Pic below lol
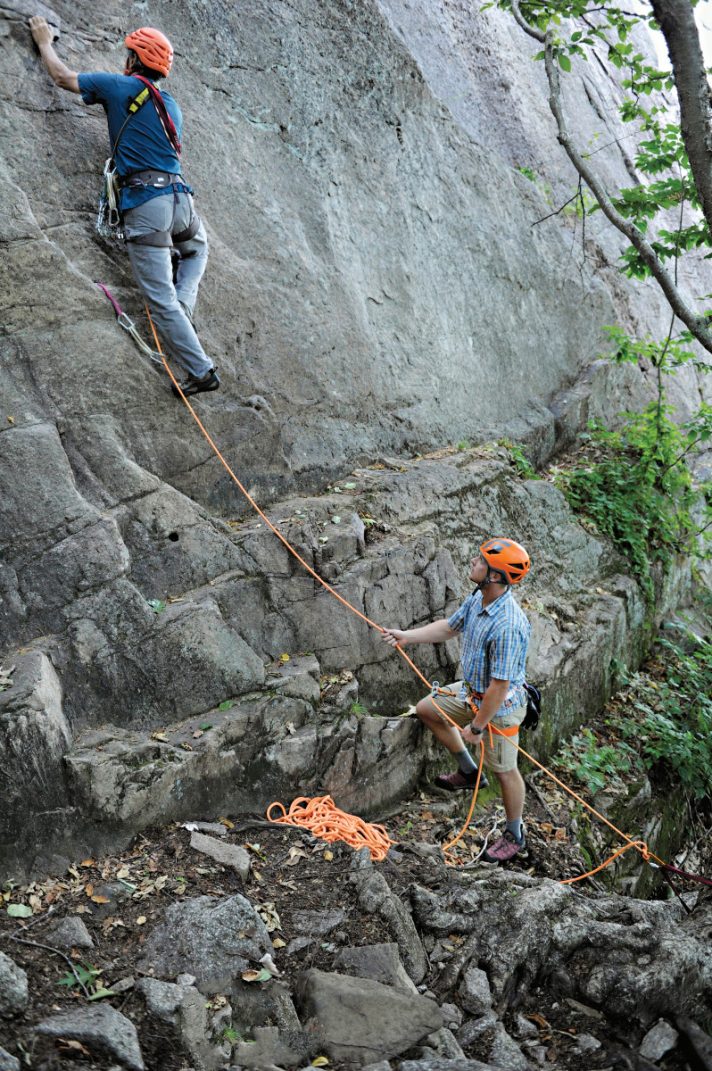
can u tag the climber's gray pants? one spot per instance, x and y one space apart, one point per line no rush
171 305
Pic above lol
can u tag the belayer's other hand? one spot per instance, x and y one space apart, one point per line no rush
393 636
42 32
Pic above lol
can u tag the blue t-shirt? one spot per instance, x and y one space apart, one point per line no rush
143 143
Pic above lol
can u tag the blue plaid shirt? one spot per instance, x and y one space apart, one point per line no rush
495 639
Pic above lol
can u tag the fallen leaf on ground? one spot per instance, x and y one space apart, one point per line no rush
262 975
19 911
270 917
70 1045
269 964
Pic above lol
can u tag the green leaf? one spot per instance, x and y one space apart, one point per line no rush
101 992
225 705
19 911
564 61
205 726
157 605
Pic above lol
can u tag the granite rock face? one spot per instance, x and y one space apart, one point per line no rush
374 281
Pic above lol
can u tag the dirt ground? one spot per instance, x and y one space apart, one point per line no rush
122 897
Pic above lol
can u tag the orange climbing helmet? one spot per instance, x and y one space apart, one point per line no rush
152 47
506 557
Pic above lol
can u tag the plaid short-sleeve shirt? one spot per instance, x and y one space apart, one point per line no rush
495 640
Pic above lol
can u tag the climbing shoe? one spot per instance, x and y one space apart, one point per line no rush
505 848
191 385
456 781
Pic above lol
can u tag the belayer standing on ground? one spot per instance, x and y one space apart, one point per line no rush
495 639
155 202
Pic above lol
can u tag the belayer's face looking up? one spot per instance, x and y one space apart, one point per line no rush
478 569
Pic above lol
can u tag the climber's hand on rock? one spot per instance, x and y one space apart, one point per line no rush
42 32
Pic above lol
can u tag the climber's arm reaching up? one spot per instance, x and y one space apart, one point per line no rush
58 71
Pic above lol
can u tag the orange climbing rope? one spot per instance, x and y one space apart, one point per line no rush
304 805
326 821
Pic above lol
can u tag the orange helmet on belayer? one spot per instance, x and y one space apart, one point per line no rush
506 557
152 47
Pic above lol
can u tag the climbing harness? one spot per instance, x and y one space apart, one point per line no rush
303 806
326 821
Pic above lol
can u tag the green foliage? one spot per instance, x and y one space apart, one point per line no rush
231 1035
673 728
87 978
658 147
634 483
635 487
358 709
82 973
592 764
519 459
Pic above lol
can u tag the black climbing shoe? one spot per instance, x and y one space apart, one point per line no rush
191 385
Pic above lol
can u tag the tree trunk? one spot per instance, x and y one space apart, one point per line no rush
677 23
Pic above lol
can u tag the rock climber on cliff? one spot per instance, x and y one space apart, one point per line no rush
155 202
495 638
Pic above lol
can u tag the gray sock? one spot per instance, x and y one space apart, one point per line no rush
516 829
466 764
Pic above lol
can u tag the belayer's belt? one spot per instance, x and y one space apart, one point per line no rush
159 179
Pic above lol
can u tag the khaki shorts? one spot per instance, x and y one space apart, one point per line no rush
501 754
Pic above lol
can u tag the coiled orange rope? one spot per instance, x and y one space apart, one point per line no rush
326 821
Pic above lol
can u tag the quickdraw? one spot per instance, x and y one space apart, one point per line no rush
123 320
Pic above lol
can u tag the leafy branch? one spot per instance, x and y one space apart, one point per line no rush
647 259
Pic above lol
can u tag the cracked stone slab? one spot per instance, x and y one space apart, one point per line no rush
363 1021
232 855
214 940
70 933
13 988
101 1027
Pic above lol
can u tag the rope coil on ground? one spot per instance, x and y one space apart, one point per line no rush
328 822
